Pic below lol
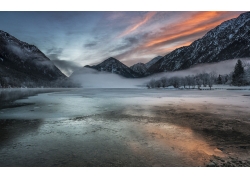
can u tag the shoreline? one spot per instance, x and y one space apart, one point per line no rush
143 128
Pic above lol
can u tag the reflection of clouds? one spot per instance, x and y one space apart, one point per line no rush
165 138
179 138
165 144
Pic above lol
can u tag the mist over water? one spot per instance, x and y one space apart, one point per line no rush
91 78
222 67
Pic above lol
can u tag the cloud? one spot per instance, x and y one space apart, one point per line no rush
132 40
193 26
54 51
91 78
169 36
222 67
67 67
147 17
91 44
128 43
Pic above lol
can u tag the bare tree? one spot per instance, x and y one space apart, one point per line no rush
246 76
211 79
189 80
152 83
198 81
175 81
183 82
164 82
193 82
158 83
245 63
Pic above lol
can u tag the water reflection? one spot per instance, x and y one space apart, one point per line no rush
11 129
88 128
181 138
10 95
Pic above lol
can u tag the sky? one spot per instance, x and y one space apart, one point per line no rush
73 39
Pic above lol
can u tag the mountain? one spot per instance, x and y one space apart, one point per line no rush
139 68
24 65
142 68
229 40
114 66
153 61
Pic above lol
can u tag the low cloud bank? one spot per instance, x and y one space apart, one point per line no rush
91 78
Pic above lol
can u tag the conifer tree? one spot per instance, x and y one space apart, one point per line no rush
219 80
237 78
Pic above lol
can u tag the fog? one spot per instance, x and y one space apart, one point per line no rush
26 54
91 78
223 67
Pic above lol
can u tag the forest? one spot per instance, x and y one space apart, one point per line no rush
239 77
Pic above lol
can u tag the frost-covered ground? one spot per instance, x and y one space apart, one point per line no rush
124 127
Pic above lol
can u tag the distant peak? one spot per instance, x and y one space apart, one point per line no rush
111 58
138 64
153 61
1 31
245 14
5 33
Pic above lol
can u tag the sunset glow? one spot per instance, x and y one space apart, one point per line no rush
87 38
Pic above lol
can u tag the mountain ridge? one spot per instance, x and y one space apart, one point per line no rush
115 66
225 41
24 65
229 40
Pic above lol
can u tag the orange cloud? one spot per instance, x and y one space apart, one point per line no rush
199 22
172 48
136 26
172 36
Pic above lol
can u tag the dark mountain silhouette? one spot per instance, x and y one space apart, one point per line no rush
24 65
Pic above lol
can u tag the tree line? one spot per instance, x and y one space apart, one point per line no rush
239 77
7 82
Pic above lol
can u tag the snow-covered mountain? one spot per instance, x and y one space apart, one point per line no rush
229 40
24 65
114 66
140 68
153 61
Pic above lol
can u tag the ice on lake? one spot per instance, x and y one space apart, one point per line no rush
116 127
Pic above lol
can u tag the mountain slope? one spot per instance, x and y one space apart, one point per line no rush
229 40
142 68
152 62
22 64
139 68
114 66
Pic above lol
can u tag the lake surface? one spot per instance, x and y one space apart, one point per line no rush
118 127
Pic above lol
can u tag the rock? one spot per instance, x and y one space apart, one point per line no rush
211 164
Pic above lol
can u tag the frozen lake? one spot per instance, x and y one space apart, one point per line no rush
124 127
